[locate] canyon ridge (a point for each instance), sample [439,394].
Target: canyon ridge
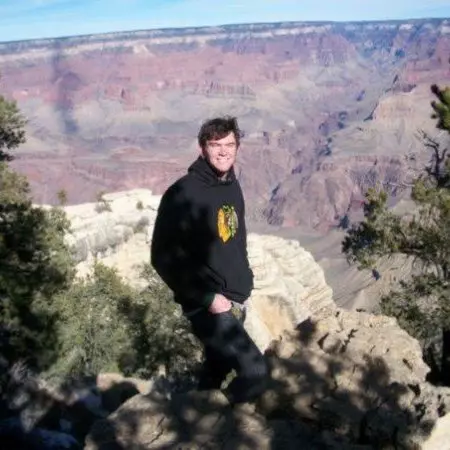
[327,110]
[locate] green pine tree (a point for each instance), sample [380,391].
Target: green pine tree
[34,260]
[12,132]
[122,328]
[422,303]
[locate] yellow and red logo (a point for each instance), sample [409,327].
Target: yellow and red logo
[227,222]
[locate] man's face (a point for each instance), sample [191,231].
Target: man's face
[221,153]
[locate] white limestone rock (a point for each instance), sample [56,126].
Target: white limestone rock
[289,286]
[97,233]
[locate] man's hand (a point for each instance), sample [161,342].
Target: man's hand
[220,304]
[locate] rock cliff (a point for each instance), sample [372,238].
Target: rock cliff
[100,229]
[289,287]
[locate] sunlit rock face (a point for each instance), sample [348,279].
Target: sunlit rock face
[289,287]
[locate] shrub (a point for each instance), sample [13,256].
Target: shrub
[107,325]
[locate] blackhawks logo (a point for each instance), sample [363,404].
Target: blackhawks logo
[227,222]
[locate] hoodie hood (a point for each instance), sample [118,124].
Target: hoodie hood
[202,170]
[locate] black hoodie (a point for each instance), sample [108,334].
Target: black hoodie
[199,244]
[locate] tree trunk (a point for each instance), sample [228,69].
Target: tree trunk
[445,370]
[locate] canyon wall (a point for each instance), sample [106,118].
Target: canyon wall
[327,109]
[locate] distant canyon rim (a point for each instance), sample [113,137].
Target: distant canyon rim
[327,110]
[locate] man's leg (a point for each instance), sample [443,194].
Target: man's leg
[230,347]
[215,368]
[214,371]
[248,361]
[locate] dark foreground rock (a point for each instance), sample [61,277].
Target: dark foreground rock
[344,380]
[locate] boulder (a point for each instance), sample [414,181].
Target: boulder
[357,375]
[289,287]
[37,412]
[342,380]
[200,420]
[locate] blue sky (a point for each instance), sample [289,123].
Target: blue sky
[28,19]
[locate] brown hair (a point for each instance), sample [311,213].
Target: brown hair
[218,128]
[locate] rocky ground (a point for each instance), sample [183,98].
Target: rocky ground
[340,379]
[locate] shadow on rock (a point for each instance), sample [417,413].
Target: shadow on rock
[356,379]
[37,415]
[345,380]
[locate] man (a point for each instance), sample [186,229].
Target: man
[199,248]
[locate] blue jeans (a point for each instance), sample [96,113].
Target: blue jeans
[228,346]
